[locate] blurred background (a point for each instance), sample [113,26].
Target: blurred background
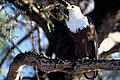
[18,33]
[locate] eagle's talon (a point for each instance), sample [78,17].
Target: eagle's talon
[85,59]
[60,61]
[93,77]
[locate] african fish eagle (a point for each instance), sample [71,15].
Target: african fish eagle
[83,33]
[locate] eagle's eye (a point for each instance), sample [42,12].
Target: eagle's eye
[72,6]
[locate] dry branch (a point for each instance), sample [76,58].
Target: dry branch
[19,61]
[14,46]
[58,65]
[108,25]
[116,48]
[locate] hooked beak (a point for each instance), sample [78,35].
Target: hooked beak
[69,7]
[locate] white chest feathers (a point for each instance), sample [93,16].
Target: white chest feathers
[76,19]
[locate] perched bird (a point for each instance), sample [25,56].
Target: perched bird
[83,33]
[76,39]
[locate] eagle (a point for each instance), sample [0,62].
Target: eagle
[82,30]
[75,39]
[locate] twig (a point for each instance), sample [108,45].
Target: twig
[39,39]
[16,46]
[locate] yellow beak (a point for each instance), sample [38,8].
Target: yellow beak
[69,7]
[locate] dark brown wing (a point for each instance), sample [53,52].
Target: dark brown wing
[93,48]
[61,43]
[86,42]
[94,40]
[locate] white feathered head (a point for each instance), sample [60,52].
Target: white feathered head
[75,18]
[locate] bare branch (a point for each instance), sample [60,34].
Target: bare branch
[59,65]
[116,48]
[21,60]
[14,46]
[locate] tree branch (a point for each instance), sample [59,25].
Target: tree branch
[31,10]
[108,25]
[59,65]
[105,17]
[116,48]
[19,61]
[104,27]
[10,50]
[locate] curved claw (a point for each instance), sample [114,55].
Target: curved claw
[94,76]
